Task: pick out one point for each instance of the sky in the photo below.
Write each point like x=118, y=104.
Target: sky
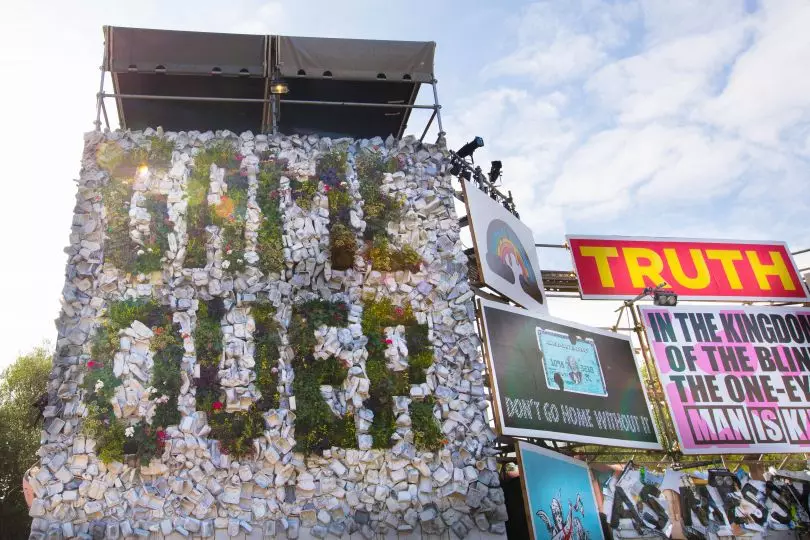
x=640, y=118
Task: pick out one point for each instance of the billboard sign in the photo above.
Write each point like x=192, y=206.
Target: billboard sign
x=736, y=379
x=554, y=379
x=506, y=254
x=558, y=495
x=621, y=267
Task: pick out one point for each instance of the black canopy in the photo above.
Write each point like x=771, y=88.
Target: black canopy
x=229, y=75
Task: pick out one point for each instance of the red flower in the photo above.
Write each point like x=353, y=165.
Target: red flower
x=161, y=435
x=388, y=342
x=91, y=364
x=240, y=157
x=217, y=405
x=326, y=189
x=399, y=311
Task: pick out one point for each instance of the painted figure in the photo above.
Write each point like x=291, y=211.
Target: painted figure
x=569, y=529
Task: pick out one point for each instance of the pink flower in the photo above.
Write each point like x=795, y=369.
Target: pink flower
x=399, y=311
x=388, y=342
x=161, y=435
x=91, y=364
x=217, y=405
x=240, y=157
x=326, y=188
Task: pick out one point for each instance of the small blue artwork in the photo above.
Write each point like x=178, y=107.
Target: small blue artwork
x=560, y=498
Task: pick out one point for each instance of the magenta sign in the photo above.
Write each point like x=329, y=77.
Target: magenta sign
x=736, y=379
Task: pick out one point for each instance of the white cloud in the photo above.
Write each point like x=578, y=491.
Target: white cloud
x=769, y=86
x=669, y=78
x=556, y=43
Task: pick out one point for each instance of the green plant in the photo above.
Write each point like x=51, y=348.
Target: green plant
x=379, y=208
x=269, y=242
x=118, y=248
x=383, y=382
x=160, y=152
x=208, y=332
x=157, y=243
x=236, y=431
x=302, y=192
x=425, y=428
x=110, y=444
x=418, y=363
x=343, y=246
x=22, y=383
x=384, y=258
x=166, y=382
x=198, y=214
x=100, y=381
x=266, y=354
x=317, y=428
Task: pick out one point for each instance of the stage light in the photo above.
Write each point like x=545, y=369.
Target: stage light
x=278, y=87
x=665, y=298
x=455, y=169
x=466, y=175
x=495, y=171
x=468, y=149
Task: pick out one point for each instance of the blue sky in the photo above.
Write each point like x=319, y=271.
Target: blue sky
x=655, y=118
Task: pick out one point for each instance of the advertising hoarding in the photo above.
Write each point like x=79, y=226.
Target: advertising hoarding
x=736, y=379
x=554, y=379
x=621, y=267
x=558, y=495
x=507, y=257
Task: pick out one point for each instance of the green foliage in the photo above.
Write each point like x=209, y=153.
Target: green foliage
x=160, y=152
x=110, y=444
x=266, y=354
x=100, y=422
x=418, y=363
x=166, y=381
x=339, y=199
x=317, y=428
x=384, y=383
x=307, y=317
x=331, y=167
x=425, y=428
x=208, y=333
x=236, y=431
x=118, y=247
x=156, y=154
x=386, y=259
x=378, y=208
x=124, y=313
x=302, y=192
x=198, y=214
x=383, y=426
x=416, y=338
x=21, y=385
x=343, y=246
x=269, y=243
x=157, y=243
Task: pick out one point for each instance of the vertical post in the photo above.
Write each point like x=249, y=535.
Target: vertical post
x=438, y=108
x=274, y=111
x=657, y=392
x=99, y=99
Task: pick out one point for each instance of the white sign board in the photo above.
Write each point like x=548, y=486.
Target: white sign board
x=507, y=257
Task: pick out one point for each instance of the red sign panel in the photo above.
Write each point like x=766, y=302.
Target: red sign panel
x=621, y=267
